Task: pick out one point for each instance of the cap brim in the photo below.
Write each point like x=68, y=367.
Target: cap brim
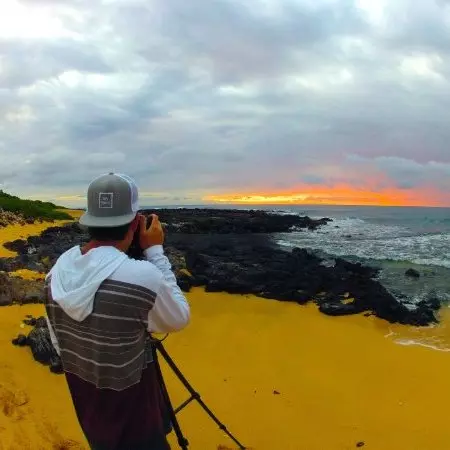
x=88, y=220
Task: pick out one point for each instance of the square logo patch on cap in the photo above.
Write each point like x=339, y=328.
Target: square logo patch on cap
x=105, y=200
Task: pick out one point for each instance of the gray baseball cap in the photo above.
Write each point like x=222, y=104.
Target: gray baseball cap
x=112, y=201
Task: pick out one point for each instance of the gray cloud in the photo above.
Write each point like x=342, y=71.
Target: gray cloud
x=201, y=97
x=30, y=60
x=237, y=41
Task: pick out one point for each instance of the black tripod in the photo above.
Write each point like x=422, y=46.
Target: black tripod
x=182, y=441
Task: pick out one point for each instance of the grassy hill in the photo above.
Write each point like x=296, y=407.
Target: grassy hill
x=33, y=209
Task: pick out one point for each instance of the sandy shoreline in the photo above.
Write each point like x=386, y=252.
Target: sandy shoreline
x=341, y=380
x=14, y=232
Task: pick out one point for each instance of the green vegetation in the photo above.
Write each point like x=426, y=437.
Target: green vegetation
x=35, y=209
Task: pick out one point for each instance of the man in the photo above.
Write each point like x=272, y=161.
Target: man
x=101, y=306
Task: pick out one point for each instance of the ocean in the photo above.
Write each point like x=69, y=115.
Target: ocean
x=391, y=238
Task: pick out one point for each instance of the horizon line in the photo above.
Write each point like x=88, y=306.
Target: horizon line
x=297, y=204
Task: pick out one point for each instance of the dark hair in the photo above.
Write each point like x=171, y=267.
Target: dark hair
x=109, y=234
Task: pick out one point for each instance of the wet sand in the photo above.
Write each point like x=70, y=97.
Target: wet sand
x=279, y=375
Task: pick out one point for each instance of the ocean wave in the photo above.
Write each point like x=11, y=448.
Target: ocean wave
x=358, y=227
x=357, y=238
x=284, y=243
x=409, y=342
x=393, y=253
x=283, y=212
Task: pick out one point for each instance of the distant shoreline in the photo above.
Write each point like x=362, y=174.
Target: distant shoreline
x=274, y=206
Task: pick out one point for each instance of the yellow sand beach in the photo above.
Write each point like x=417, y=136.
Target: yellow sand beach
x=280, y=376
x=14, y=232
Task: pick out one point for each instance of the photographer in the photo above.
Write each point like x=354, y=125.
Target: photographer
x=101, y=306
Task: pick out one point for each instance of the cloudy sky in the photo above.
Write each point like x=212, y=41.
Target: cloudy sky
x=341, y=101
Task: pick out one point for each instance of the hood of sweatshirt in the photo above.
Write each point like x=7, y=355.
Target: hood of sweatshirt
x=75, y=278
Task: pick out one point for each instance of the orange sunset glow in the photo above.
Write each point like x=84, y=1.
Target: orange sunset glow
x=339, y=195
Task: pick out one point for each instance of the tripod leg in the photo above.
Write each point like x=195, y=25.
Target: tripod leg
x=195, y=395
x=182, y=441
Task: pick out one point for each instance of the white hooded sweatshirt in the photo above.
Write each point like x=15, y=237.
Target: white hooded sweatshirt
x=75, y=279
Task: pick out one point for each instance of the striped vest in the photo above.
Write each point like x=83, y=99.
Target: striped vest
x=111, y=347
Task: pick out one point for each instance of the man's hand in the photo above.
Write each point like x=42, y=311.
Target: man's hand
x=154, y=235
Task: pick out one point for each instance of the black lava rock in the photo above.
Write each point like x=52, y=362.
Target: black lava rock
x=184, y=284
x=18, y=290
x=41, y=322
x=413, y=273
x=41, y=345
x=184, y=280
x=31, y=321
x=339, y=309
x=228, y=221
x=56, y=365
x=232, y=251
x=33, y=297
x=20, y=340
x=19, y=246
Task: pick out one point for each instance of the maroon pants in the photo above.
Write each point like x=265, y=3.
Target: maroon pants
x=132, y=419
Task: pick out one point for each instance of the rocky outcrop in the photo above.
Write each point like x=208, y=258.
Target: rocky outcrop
x=40, y=344
x=20, y=291
x=228, y=221
x=39, y=253
x=252, y=266
x=12, y=218
x=247, y=262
